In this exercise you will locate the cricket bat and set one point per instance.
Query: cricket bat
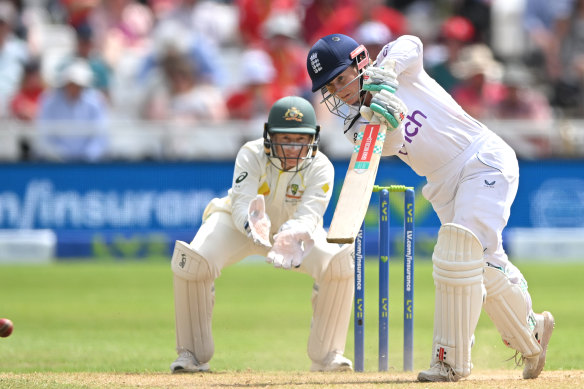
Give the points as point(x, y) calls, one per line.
point(358, 185)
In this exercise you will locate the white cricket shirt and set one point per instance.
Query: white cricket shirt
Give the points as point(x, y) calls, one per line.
point(293, 197)
point(436, 129)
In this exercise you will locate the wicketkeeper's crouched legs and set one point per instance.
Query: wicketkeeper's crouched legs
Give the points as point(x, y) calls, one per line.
point(332, 299)
point(194, 297)
point(508, 304)
point(458, 278)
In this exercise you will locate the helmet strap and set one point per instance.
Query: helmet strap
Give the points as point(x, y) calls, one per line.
point(267, 141)
point(315, 141)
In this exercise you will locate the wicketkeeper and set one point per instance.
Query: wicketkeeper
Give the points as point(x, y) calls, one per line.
point(281, 187)
point(472, 176)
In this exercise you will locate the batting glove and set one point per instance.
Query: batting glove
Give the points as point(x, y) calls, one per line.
point(388, 108)
point(378, 78)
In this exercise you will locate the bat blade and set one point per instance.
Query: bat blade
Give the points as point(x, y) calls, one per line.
point(358, 185)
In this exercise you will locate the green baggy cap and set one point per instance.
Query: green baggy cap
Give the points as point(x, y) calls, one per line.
point(292, 114)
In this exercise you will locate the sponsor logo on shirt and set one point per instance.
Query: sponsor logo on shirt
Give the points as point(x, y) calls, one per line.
point(241, 177)
point(490, 184)
point(412, 126)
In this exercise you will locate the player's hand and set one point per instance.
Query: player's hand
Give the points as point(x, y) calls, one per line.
point(388, 108)
point(258, 223)
point(290, 248)
point(378, 78)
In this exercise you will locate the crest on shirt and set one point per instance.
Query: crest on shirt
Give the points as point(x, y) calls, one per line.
point(293, 193)
point(293, 113)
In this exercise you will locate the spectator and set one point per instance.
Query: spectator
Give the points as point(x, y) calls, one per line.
point(24, 105)
point(478, 12)
point(181, 97)
point(480, 88)
point(216, 22)
point(124, 28)
point(257, 95)
point(13, 56)
point(72, 118)
point(253, 14)
point(347, 18)
point(541, 20)
point(87, 50)
point(318, 14)
point(202, 51)
point(77, 11)
point(520, 99)
point(569, 88)
point(455, 33)
point(123, 32)
point(281, 32)
point(374, 35)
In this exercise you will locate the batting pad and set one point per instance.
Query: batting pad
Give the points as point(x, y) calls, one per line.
point(332, 299)
point(194, 296)
point(507, 305)
point(458, 278)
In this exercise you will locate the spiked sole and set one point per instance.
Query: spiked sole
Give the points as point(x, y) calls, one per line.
point(548, 328)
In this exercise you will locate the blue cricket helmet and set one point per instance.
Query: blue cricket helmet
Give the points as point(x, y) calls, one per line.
point(331, 55)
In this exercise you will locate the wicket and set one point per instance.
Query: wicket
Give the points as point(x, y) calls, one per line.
point(384, 251)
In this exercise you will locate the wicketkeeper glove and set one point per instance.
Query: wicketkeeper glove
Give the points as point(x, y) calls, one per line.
point(258, 223)
point(290, 248)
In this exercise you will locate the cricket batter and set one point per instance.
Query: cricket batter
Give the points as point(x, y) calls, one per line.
point(472, 179)
point(281, 187)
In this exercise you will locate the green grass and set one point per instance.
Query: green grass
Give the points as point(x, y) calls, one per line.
point(119, 317)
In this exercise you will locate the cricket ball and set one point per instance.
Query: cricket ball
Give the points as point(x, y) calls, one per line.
point(6, 327)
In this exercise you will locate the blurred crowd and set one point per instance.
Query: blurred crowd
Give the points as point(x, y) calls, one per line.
point(70, 68)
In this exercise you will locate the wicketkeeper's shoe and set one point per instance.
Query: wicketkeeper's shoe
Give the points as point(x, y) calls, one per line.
point(544, 326)
point(439, 372)
point(333, 362)
point(186, 363)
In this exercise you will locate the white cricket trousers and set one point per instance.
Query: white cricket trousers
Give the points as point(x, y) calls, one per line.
point(476, 190)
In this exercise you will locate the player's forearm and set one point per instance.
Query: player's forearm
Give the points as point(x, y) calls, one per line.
point(246, 177)
point(239, 209)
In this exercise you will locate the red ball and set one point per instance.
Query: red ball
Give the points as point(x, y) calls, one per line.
point(6, 327)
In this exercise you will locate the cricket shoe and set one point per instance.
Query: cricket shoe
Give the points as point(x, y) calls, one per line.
point(439, 372)
point(544, 326)
point(333, 362)
point(186, 363)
